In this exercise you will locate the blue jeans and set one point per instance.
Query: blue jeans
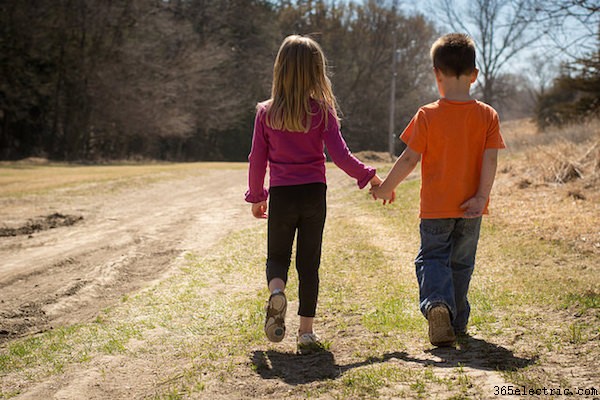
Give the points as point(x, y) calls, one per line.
point(445, 264)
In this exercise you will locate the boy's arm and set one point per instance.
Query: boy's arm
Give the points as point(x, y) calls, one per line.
point(475, 205)
point(402, 167)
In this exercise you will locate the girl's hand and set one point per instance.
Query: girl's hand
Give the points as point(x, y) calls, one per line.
point(378, 193)
point(259, 210)
point(375, 182)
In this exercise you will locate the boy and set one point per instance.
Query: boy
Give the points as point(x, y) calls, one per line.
point(456, 139)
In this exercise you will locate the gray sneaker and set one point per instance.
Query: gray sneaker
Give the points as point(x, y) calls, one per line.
point(275, 319)
point(441, 332)
point(309, 343)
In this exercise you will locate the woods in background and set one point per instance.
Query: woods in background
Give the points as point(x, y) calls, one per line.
point(179, 79)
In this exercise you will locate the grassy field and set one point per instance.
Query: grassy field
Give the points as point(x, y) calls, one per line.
point(19, 179)
point(535, 319)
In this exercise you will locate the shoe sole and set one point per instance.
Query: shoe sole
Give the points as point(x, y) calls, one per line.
point(441, 332)
point(275, 320)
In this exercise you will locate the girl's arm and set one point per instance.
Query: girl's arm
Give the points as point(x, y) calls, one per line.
point(343, 158)
point(259, 210)
point(475, 205)
point(402, 167)
point(257, 168)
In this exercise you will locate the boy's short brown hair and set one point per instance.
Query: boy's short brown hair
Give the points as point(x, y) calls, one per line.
point(454, 54)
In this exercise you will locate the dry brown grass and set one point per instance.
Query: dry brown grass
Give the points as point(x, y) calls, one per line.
point(374, 156)
point(548, 183)
point(36, 176)
point(522, 134)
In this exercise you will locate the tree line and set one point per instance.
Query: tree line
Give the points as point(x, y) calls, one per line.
point(179, 79)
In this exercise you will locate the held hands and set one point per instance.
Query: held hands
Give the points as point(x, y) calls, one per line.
point(378, 193)
point(474, 206)
point(259, 210)
point(375, 181)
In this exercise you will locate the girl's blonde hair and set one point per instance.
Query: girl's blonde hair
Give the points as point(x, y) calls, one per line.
point(299, 74)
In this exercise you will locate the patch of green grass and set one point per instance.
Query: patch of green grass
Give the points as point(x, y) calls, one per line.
point(37, 350)
point(527, 377)
point(583, 301)
point(463, 381)
point(403, 380)
point(576, 333)
point(482, 308)
point(9, 394)
point(54, 349)
point(366, 382)
point(402, 215)
point(394, 312)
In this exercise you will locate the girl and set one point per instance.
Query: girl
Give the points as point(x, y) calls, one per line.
point(290, 131)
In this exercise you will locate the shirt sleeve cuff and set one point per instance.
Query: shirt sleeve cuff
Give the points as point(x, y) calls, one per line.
point(256, 197)
point(367, 178)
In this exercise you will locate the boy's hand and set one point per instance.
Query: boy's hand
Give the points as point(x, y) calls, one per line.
point(474, 206)
point(387, 196)
point(259, 210)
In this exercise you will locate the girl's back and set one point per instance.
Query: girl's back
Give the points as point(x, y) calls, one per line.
point(297, 157)
point(293, 126)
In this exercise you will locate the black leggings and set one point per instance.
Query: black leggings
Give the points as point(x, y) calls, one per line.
point(299, 208)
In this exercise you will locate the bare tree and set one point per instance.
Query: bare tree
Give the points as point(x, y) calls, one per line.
point(571, 25)
point(175, 79)
point(150, 85)
point(501, 30)
point(357, 38)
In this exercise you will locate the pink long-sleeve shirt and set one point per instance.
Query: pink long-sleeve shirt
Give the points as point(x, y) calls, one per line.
point(297, 158)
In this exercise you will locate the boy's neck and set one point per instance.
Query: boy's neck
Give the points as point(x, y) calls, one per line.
point(456, 96)
point(455, 89)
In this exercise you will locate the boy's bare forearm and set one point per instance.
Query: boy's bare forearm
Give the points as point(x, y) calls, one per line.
point(403, 166)
point(488, 173)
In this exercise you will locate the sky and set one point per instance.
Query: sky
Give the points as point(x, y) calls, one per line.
point(576, 38)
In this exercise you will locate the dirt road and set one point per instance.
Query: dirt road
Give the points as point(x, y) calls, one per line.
point(117, 241)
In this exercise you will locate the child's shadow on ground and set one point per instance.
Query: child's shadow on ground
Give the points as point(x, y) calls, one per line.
point(300, 369)
point(479, 354)
point(295, 369)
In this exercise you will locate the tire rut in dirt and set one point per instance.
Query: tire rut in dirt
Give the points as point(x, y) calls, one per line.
point(57, 296)
point(43, 223)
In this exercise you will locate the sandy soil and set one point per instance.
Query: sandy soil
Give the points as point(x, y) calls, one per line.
point(64, 258)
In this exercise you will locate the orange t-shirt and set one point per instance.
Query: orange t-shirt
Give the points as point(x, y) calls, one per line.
point(451, 137)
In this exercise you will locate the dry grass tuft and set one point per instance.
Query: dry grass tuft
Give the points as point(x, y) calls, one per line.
point(556, 156)
point(523, 134)
point(555, 176)
point(374, 156)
